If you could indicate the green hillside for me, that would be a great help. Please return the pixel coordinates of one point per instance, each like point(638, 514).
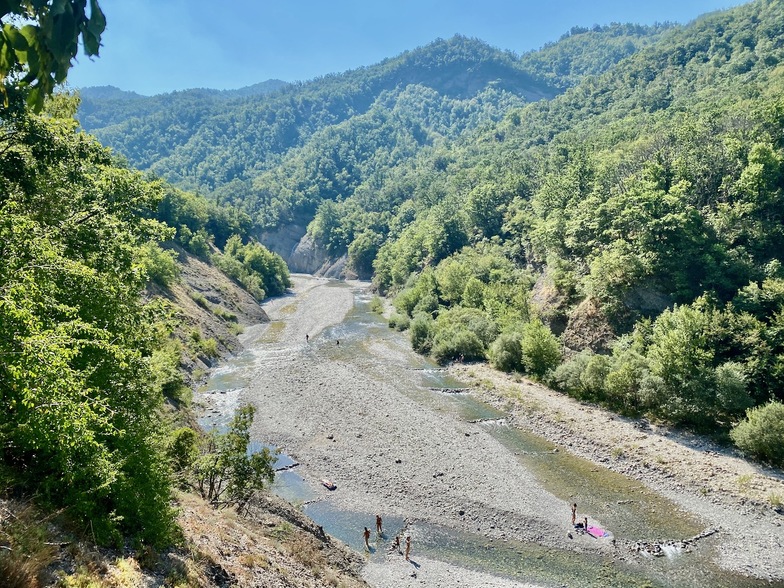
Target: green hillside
point(216, 143)
point(638, 215)
point(605, 215)
point(578, 213)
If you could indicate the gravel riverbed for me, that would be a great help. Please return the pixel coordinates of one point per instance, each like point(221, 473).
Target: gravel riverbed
point(351, 419)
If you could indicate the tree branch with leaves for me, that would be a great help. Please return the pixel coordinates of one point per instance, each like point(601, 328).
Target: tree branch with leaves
point(39, 40)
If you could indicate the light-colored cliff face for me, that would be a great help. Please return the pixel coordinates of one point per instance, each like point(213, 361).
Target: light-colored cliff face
point(302, 254)
point(284, 240)
point(307, 257)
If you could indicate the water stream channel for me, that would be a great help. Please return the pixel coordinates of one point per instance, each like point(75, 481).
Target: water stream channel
point(626, 507)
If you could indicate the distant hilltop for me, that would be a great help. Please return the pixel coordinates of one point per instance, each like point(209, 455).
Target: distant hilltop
point(114, 93)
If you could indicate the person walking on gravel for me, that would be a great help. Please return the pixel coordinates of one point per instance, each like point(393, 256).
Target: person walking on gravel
point(408, 546)
point(574, 513)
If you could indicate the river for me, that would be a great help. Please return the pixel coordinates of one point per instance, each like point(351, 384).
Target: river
point(353, 403)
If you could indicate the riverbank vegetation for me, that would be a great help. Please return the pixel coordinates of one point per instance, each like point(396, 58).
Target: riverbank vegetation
point(645, 232)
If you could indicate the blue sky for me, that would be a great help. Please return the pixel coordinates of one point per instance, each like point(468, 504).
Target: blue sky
point(157, 46)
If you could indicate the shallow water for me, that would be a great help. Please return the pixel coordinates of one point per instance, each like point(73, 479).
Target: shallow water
point(624, 506)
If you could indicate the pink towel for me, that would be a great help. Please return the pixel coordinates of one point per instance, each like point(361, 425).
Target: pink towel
point(597, 532)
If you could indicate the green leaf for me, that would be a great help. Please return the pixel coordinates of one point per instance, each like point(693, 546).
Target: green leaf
point(91, 42)
point(97, 23)
point(59, 7)
point(31, 34)
point(17, 40)
point(7, 57)
point(35, 99)
point(64, 37)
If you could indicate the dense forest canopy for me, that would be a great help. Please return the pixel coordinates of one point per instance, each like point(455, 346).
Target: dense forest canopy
point(235, 150)
point(646, 205)
point(605, 214)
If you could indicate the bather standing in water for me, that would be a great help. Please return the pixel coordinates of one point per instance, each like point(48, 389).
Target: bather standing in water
point(366, 535)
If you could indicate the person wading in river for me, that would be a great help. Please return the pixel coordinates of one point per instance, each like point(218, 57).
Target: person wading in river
point(366, 535)
point(379, 530)
point(408, 546)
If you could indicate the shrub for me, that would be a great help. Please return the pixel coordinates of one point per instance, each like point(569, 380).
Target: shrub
point(568, 377)
point(456, 342)
point(474, 293)
point(541, 349)
point(761, 434)
point(209, 347)
point(160, 265)
point(164, 364)
point(422, 333)
point(376, 305)
point(399, 322)
point(182, 451)
point(476, 321)
point(199, 299)
point(225, 473)
point(593, 378)
point(506, 353)
point(427, 303)
point(627, 370)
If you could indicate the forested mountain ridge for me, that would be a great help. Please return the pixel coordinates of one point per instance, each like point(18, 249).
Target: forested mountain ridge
point(633, 216)
point(638, 216)
point(199, 142)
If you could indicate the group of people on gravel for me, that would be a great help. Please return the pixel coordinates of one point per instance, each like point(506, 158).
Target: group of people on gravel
point(380, 533)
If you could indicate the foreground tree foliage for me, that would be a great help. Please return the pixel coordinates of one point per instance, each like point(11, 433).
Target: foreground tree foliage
point(39, 39)
point(79, 422)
